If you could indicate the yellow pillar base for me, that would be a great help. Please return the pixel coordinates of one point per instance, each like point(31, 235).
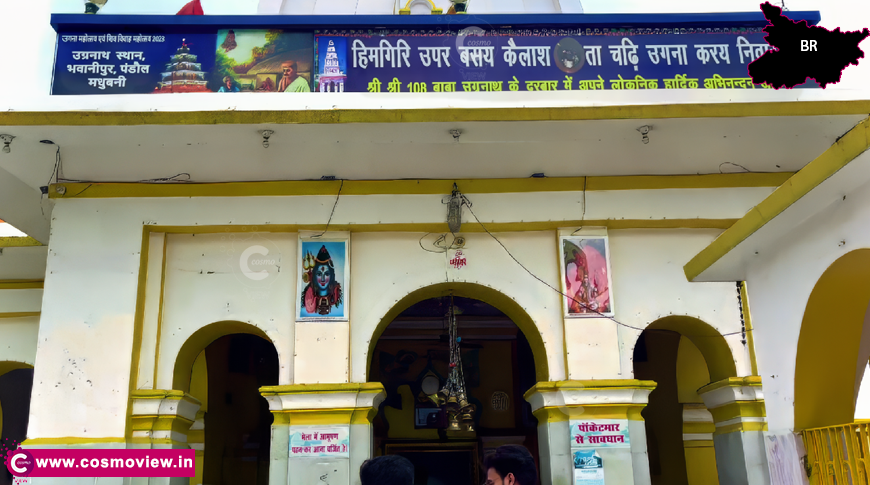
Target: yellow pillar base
point(737, 407)
point(698, 429)
point(162, 418)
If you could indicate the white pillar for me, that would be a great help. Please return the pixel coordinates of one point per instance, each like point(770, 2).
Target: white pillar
point(307, 408)
point(737, 406)
point(557, 404)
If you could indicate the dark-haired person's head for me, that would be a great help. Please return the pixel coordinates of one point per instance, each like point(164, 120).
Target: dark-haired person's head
point(387, 470)
point(510, 465)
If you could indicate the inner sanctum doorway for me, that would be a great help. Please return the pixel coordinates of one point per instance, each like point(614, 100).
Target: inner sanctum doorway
point(411, 359)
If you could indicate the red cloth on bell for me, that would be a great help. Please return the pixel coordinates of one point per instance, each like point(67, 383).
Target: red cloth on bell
point(192, 8)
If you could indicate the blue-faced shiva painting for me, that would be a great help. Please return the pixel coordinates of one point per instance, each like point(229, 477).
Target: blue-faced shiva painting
point(324, 273)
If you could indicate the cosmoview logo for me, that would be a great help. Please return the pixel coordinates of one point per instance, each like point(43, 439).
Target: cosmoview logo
point(255, 260)
point(245, 263)
point(470, 45)
point(471, 37)
point(21, 463)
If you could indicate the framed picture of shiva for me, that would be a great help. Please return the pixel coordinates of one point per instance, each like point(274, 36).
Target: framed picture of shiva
point(324, 273)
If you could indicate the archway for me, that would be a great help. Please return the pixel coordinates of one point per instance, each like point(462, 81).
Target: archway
point(199, 340)
point(475, 291)
point(833, 347)
point(16, 383)
point(224, 365)
point(681, 354)
point(410, 353)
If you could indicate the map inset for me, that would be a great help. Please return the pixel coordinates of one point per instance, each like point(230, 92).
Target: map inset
point(800, 51)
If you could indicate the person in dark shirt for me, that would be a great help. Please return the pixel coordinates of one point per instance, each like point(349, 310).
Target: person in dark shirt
point(387, 470)
point(510, 465)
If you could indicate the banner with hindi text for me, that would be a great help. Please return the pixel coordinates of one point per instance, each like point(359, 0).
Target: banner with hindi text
point(524, 62)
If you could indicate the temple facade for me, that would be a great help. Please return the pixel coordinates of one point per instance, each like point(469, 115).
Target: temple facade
point(453, 237)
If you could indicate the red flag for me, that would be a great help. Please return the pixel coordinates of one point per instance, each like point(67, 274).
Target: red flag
point(192, 8)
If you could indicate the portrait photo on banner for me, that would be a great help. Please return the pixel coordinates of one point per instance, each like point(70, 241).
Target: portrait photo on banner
point(585, 267)
point(262, 61)
point(324, 273)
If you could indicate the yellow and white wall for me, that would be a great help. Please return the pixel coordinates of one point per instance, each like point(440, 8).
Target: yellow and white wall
point(135, 288)
point(809, 305)
point(20, 304)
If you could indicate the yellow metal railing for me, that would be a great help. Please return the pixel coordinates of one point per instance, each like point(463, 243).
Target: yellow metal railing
point(839, 455)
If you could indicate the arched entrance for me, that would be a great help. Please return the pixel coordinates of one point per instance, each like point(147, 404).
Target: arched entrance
point(409, 355)
point(224, 365)
point(16, 383)
point(681, 354)
point(833, 347)
point(493, 297)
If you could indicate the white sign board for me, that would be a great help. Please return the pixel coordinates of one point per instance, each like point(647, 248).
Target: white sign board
point(320, 442)
point(599, 433)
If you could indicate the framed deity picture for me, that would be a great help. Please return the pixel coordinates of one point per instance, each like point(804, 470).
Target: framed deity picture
point(324, 274)
point(584, 263)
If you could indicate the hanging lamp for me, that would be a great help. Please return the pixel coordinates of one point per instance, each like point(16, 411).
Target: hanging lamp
point(454, 395)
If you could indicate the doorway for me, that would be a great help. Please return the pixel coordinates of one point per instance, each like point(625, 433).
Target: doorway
point(411, 360)
point(655, 359)
point(15, 389)
point(238, 421)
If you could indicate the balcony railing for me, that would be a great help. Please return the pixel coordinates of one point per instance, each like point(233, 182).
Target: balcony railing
point(839, 455)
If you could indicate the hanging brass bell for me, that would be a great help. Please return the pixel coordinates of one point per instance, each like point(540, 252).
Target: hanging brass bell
point(453, 424)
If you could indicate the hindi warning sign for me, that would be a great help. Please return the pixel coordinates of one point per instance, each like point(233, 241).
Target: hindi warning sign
point(599, 433)
point(320, 442)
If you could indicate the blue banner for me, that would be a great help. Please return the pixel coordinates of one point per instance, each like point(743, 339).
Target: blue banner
point(270, 60)
point(226, 61)
point(133, 63)
point(454, 63)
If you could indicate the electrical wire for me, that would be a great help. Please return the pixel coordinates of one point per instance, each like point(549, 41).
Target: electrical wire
point(56, 164)
point(434, 243)
point(174, 178)
point(82, 192)
point(533, 275)
point(583, 216)
point(732, 163)
point(328, 221)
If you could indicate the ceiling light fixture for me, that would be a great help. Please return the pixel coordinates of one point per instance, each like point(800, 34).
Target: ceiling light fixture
point(454, 209)
point(644, 131)
point(266, 134)
point(7, 142)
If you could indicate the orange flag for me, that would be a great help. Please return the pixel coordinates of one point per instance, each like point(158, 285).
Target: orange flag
point(192, 8)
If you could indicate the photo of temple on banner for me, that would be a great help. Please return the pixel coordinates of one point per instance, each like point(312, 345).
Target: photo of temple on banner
point(183, 74)
point(332, 65)
point(586, 270)
point(262, 61)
